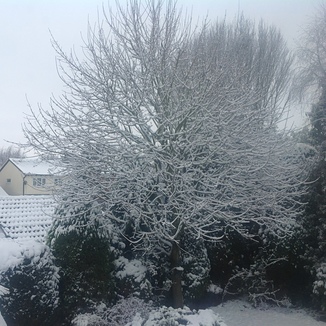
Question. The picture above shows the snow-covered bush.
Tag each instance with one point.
(141, 269)
(147, 275)
(165, 316)
(259, 287)
(80, 241)
(28, 272)
(196, 268)
(118, 315)
(132, 278)
(319, 286)
(263, 267)
(125, 309)
(88, 319)
(230, 257)
(255, 283)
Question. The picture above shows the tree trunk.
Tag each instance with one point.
(177, 296)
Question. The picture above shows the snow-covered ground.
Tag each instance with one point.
(2, 322)
(238, 312)
(235, 313)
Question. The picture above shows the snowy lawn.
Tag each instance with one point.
(235, 313)
(2, 322)
(238, 312)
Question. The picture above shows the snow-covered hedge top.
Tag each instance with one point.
(12, 252)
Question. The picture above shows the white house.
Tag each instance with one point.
(28, 176)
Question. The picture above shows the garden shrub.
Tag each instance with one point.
(117, 315)
(88, 319)
(132, 278)
(167, 316)
(262, 266)
(32, 281)
(80, 240)
(319, 287)
(196, 268)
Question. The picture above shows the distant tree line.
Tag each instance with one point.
(10, 152)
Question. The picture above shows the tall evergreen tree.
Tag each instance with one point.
(311, 80)
(311, 83)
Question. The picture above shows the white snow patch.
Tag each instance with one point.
(205, 317)
(212, 288)
(2, 322)
(35, 166)
(170, 316)
(13, 252)
(3, 290)
(239, 312)
(86, 320)
(133, 268)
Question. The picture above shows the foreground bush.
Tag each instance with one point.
(136, 312)
(120, 314)
(32, 280)
(165, 316)
(319, 287)
(83, 254)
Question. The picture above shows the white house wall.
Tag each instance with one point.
(22, 183)
(30, 189)
(15, 186)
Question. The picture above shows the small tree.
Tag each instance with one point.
(10, 152)
(311, 75)
(175, 129)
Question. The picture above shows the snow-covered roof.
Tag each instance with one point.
(2, 192)
(26, 217)
(34, 166)
(2, 232)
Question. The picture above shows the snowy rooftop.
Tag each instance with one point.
(2, 192)
(34, 166)
(26, 217)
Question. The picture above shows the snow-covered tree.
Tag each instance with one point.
(175, 128)
(311, 84)
(10, 152)
(311, 75)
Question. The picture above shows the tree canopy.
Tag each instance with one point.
(175, 128)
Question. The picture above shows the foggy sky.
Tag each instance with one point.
(27, 60)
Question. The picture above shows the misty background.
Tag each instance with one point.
(27, 60)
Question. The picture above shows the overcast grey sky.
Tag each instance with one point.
(27, 59)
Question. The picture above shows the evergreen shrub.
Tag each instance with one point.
(33, 288)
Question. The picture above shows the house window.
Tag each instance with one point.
(57, 182)
(38, 182)
(8, 180)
